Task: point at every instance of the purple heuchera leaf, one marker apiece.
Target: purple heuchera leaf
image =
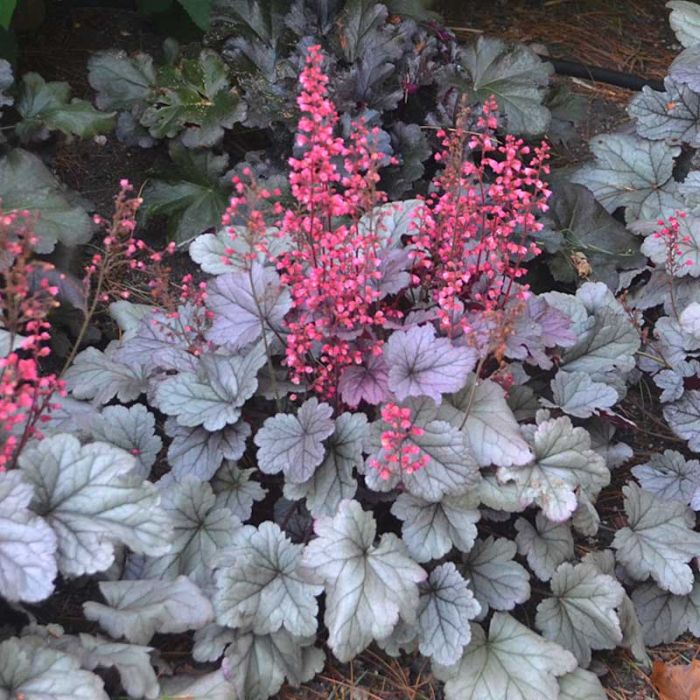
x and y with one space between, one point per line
423 365
368 382
539 327
242 302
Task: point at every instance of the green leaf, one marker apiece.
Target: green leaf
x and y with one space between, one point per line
578 395
199 12
47 107
26 183
659 540
515 76
367 586
137 610
194 98
121 82
513 663
192 197
44 674
92 499
580 614
27 544
7 9
260 585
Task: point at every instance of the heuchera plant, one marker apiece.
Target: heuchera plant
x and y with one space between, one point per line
366 405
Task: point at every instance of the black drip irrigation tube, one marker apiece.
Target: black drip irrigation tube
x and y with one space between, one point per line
630 81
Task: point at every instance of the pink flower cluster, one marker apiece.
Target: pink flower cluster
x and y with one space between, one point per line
26 297
124 255
332 270
670 234
400 455
472 236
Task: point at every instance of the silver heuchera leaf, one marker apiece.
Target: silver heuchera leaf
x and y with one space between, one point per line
27 544
493 433
546 544
446 606
607 339
685 21
257 665
422 365
585 519
430 529
673 115
684 418
390 222
580 614
163 341
578 395
131 661
497 580
603 561
513 662
93 500
245 304
581 685
209 250
631 172
95 375
670 476
137 610
199 453
333 480
259 585
450 470
563 462
665 617
200 530
213 396
684 69
197 686
294 444
367 586
659 540
236 490
44 674
133 429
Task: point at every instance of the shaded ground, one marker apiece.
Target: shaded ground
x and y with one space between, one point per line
628 36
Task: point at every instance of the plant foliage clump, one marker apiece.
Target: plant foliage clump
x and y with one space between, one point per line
361 425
